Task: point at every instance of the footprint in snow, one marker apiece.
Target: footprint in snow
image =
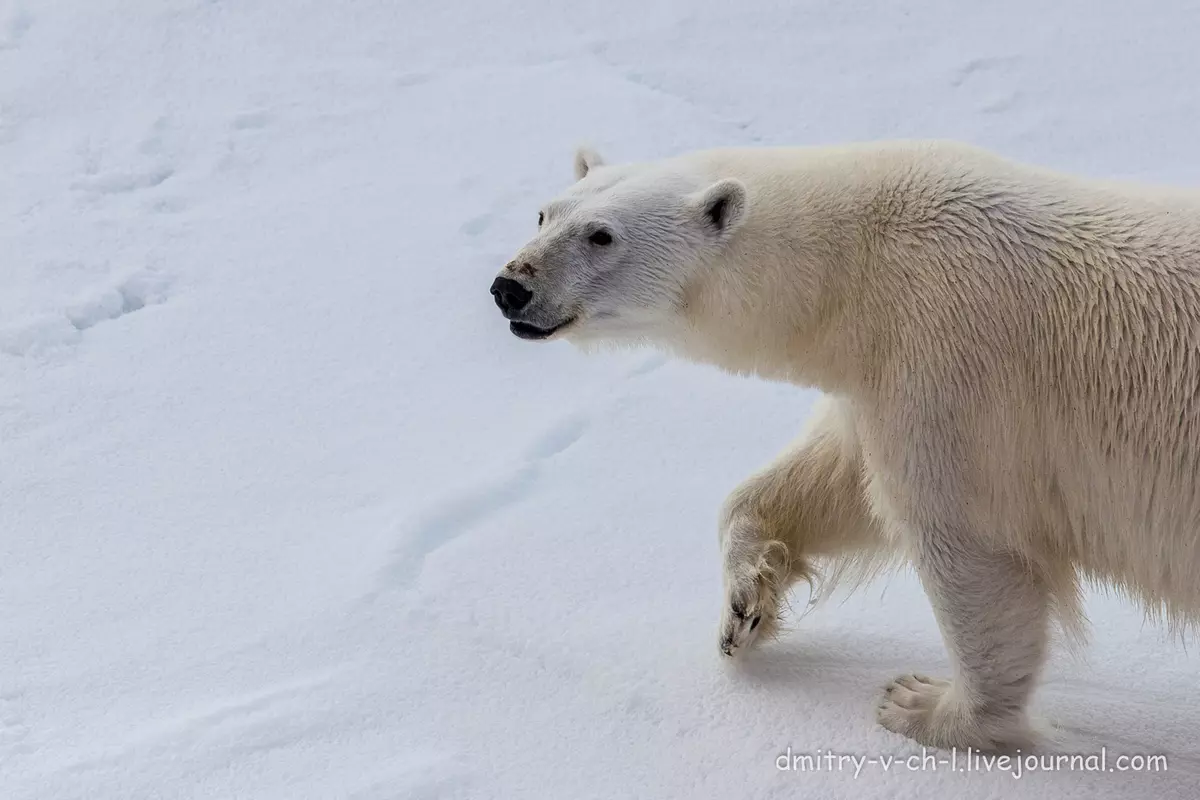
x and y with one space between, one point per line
457 515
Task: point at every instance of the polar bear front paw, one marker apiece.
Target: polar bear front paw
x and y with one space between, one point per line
752 596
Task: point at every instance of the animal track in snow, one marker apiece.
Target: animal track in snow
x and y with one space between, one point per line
990 81
125 163
245 144
557 439
457 515
123 182
454 517
977 68
133 294
51 330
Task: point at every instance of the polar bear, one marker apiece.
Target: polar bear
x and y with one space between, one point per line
1010 361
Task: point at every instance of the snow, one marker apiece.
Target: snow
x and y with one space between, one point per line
286 511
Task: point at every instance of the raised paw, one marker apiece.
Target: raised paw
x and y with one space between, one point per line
752 597
740 626
928 711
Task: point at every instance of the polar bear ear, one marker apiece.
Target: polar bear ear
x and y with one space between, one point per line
722 206
586 159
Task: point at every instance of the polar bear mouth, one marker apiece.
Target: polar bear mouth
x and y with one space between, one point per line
526 331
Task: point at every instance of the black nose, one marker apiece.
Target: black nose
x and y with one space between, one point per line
510 295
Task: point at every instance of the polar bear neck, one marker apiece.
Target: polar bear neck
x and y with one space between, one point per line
781 301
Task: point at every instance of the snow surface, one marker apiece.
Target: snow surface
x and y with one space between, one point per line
286 511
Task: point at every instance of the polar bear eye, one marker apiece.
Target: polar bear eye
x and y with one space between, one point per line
541 218
600 238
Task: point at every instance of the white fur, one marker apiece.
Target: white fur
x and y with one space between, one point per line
1011 358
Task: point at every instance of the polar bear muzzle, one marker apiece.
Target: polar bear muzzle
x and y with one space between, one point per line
512 298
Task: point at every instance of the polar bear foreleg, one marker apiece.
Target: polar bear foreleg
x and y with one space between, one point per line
806 508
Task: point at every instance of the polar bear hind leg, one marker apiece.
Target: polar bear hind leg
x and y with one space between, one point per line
994 616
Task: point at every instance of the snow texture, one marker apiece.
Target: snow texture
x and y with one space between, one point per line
288 514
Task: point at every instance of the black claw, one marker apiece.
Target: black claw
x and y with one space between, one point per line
727 646
755 621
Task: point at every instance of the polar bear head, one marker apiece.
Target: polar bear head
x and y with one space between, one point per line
614 255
